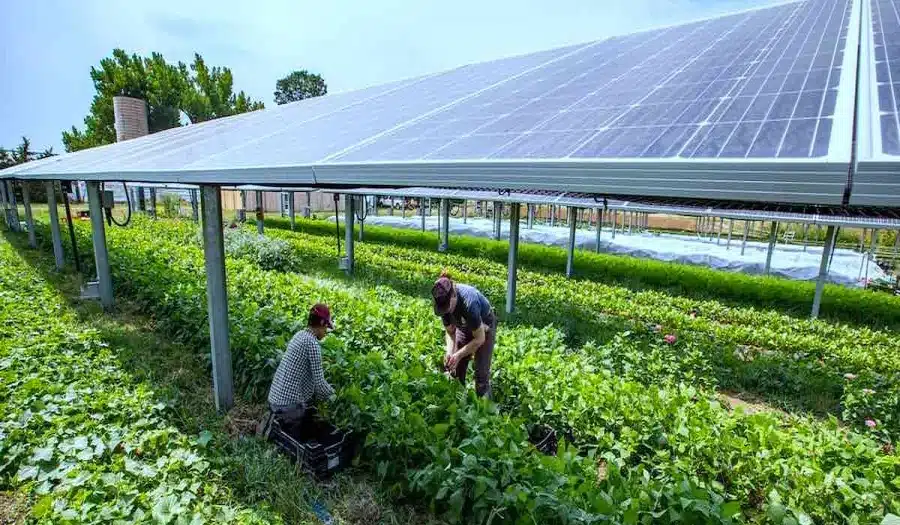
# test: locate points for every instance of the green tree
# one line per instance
(20, 155)
(298, 86)
(201, 93)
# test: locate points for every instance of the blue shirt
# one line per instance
(472, 309)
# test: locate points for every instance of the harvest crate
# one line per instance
(320, 447)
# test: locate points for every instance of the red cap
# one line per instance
(321, 311)
(442, 292)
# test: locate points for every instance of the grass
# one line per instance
(255, 470)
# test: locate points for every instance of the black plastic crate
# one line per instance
(318, 446)
(544, 439)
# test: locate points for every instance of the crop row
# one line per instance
(674, 438)
(795, 362)
(694, 283)
(77, 434)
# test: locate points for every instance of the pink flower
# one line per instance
(870, 423)
(670, 338)
(849, 376)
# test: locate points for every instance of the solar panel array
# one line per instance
(761, 84)
(886, 33)
(753, 106)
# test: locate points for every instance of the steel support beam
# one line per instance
(4, 204)
(465, 211)
(830, 236)
(260, 215)
(141, 199)
(599, 228)
(13, 206)
(730, 232)
(349, 217)
(615, 223)
(529, 211)
(512, 260)
(444, 234)
(101, 256)
(772, 237)
(29, 220)
(719, 234)
(217, 296)
(498, 218)
(422, 210)
(152, 202)
(292, 212)
(746, 233)
(869, 257)
(195, 206)
(55, 234)
(570, 260)
(307, 212)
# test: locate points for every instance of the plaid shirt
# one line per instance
(300, 377)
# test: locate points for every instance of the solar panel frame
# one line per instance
(876, 178)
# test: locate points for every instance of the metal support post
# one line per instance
(570, 260)
(292, 212)
(142, 199)
(55, 234)
(391, 212)
(195, 206)
(599, 228)
(615, 223)
(465, 211)
(512, 260)
(349, 217)
(869, 257)
(730, 231)
(152, 202)
(259, 213)
(719, 234)
(13, 206)
(101, 256)
(4, 204)
(772, 237)
(444, 234)
(529, 210)
(830, 236)
(217, 296)
(552, 215)
(498, 217)
(862, 239)
(422, 210)
(307, 212)
(29, 220)
(746, 233)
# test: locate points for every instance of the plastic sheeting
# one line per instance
(789, 260)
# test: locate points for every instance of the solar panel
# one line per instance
(886, 32)
(761, 84)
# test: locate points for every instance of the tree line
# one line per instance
(176, 94)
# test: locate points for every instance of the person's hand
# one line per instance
(453, 362)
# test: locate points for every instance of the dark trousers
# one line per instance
(482, 357)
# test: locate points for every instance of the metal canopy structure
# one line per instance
(757, 106)
(793, 104)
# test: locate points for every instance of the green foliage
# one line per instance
(650, 450)
(728, 290)
(171, 205)
(203, 93)
(267, 253)
(87, 443)
(298, 86)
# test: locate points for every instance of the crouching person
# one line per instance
(299, 381)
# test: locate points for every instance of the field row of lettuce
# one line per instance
(629, 377)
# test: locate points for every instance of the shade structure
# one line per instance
(876, 178)
(755, 106)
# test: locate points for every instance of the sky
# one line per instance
(49, 46)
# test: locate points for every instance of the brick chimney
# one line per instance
(131, 118)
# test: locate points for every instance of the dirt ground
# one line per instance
(13, 509)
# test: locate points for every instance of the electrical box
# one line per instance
(344, 263)
(107, 200)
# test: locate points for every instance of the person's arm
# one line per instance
(450, 341)
(320, 386)
(473, 320)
